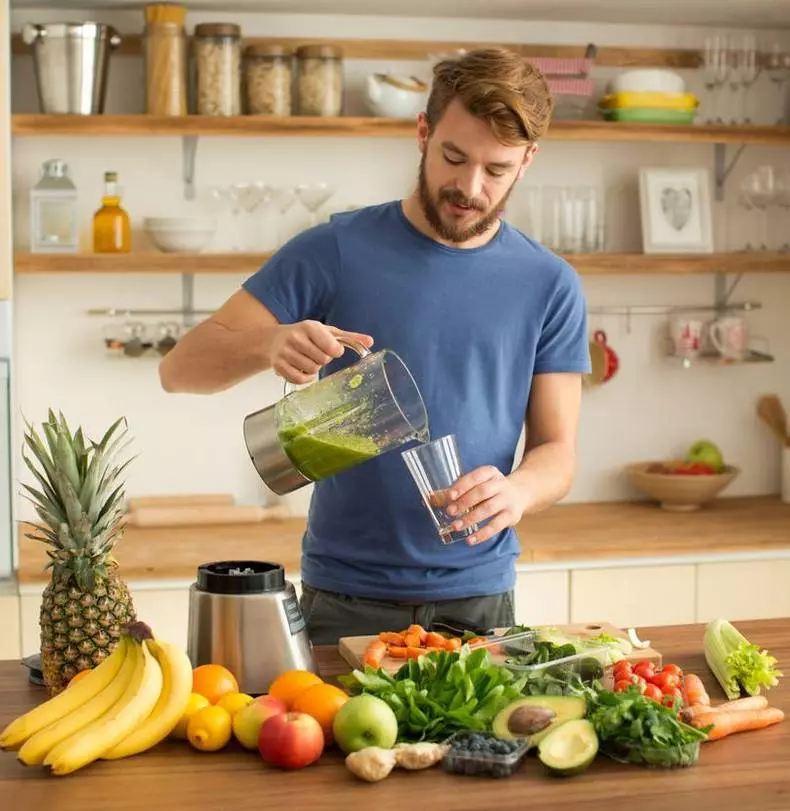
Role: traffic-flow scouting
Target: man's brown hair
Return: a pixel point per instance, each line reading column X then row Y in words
column 497, row 85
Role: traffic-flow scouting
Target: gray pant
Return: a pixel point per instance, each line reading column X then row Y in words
column 329, row 615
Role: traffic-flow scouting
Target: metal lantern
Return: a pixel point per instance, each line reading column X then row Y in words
column 53, row 211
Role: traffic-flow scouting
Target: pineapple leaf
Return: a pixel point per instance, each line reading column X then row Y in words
column 110, row 431
column 40, row 451
column 45, row 484
column 111, row 502
column 43, row 539
column 45, row 503
column 67, row 460
column 71, row 501
column 64, row 537
column 81, row 452
column 51, row 435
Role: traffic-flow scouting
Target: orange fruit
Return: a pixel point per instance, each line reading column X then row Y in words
column 213, row 682
column 81, row 675
column 289, row 684
column 322, row 701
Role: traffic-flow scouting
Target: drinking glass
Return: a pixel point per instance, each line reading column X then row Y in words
column 435, row 467
column 313, row 196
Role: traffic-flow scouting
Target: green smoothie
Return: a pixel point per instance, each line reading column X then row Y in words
column 319, row 456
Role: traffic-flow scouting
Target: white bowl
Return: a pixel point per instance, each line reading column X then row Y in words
column 648, row 79
column 180, row 234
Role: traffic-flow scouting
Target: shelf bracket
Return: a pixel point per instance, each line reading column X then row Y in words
column 722, row 293
column 188, row 298
column 189, row 149
column 721, row 169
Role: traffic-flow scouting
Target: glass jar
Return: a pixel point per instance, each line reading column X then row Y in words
column 319, row 86
column 54, row 225
column 267, row 74
column 218, row 68
column 165, row 59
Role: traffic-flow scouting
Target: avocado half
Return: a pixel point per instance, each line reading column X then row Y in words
column 569, row 748
column 535, row 717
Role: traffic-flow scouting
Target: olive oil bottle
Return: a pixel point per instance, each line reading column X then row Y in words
column 112, row 232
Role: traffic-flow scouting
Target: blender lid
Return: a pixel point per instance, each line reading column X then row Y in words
column 240, row 577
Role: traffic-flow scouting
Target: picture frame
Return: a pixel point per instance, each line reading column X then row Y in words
column 675, row 207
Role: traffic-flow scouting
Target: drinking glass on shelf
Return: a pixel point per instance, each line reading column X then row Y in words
column 759, row 188
column 716, row 71
column 312, row 196
column 283, row 198
column 743, row 74
column 782, row 201
column 228, row 197
column 251, row 196
column 777, row 66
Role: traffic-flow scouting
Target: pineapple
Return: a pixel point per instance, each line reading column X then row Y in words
column 80, row 504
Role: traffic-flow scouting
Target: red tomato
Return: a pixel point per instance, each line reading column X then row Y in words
column 669, row 697
column 666, row 681
column 645, row 669
column 653, row 693
column 621, row 685
column 672, row 669
column 622, row 670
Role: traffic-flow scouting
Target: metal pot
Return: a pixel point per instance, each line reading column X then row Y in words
column 71, row 64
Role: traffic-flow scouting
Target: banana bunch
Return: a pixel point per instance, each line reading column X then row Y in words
column 126, row 705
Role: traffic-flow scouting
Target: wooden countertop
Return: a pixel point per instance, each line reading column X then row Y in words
column 565, row 532
column 747, row 771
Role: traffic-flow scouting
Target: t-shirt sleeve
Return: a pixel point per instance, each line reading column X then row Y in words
column 563, row 345
column 299, row 282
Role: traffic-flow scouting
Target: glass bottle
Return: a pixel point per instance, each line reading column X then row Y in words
column 53, row 211
column 112, row 231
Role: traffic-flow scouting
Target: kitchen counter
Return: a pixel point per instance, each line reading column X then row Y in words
column 566, row 534
column 746, row 771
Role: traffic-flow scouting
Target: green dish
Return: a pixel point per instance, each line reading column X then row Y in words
column 645, row 115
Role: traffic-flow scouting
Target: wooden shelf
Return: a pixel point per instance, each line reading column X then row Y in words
column 595, row 264
column 419, row 50
column 367, row 127
column 34, row 124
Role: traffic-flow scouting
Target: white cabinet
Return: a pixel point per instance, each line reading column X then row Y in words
column 743, row 590
column 10, row 645
column 634, row 595
column 541, row 598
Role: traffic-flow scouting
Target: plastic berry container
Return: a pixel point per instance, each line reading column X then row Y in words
column 483, row 754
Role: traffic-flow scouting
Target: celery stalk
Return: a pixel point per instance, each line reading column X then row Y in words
column 737, row 664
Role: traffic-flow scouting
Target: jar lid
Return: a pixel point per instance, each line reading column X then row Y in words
column 267, row 49
column 217, row 30
column 321, row 51
column 240, row 577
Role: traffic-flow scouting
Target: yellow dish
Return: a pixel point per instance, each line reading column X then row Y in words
column 651, row 99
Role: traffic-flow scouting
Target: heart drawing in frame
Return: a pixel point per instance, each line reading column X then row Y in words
column 676, row 204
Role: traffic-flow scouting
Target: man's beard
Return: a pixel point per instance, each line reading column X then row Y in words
column 451, row 233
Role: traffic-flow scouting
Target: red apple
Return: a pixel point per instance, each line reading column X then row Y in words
column 291, row 740
column 247, row 722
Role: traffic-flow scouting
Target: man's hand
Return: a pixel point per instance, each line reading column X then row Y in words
column 486, row 493
column 299, row 351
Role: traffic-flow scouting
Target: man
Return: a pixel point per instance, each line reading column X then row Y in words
column 491, row 325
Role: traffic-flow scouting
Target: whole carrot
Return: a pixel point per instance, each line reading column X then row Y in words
column 695, row 690
column 741, row 704
column 728, row 723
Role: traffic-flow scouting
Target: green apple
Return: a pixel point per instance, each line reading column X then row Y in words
column 365, row 720
column 706, row 452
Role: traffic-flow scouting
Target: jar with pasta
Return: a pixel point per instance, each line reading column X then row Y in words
column 218, row 68
column 165, row 59
column 319, row 84
column 267, row 75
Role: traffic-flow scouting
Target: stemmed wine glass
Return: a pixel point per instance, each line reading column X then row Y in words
column 777, row 66
column 252, row 195
column 283, row 198
column 758, row 190
column 716, row 69
column 230, row 196
column 313, row 196
column 783, row 203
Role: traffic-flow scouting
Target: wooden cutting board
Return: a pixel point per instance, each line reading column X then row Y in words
column 352, row 648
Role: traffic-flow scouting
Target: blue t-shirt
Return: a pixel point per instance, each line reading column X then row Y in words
column 473, row 326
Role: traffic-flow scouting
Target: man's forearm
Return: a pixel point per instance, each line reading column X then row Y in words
column 545, row 475
column 212, row 358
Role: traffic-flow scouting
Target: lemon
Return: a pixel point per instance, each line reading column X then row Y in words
column 196, row 702
column 233, row 702
column 210, row 729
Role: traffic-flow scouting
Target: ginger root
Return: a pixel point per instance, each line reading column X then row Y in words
column 372, row 763
column 419, row 755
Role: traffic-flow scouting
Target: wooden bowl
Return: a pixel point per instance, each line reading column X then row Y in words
column 677, row 492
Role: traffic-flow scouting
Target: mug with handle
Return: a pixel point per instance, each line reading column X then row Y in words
column 730, row 336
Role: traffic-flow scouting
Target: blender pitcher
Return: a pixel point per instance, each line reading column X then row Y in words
column 346, row 418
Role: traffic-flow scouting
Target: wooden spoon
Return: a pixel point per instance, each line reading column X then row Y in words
column 772, row 413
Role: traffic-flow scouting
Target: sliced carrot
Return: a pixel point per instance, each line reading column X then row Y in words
column 419, row 631
column 454, row 643
column 415, row 653
column 434, row 640
column 429, row 648
column 728, row 723
column 695, row 689
column 397, row 651
column 375, row 653
column 391, row 637
column 412, row 640
column 476, row 640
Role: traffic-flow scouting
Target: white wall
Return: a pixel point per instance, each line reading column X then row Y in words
column 192, row 444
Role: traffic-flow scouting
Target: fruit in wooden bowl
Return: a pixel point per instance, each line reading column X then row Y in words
column 680, row 486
